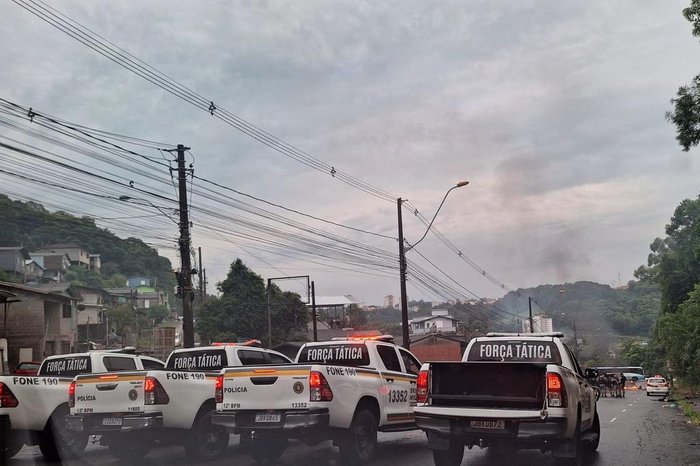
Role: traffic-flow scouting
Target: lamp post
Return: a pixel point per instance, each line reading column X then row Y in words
column 402, row 261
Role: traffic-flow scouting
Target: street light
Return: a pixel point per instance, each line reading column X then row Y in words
column 402, row 261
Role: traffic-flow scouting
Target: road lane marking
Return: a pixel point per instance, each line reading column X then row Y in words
column 613, row 419
column 632, row 403
column 624, row 410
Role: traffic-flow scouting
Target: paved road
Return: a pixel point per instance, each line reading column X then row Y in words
column 636, row 430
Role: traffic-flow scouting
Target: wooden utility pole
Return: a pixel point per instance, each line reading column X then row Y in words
column 185, row 276
column 402, row 279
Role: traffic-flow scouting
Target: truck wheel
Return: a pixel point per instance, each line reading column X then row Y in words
column 593, row 446
column 577, row 448
column 206, row 441
column 360, row 441
column 450, row 457
column 10, row 445
column 129, row 447
column 56, row 442
column 265, row 447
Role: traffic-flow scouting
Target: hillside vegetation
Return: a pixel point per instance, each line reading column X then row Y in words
column 30, row 225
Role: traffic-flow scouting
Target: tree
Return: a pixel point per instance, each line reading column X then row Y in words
column 680, row 334
column 357, row 318
column 157, row 314
column 674, row 262
column 686, row 106
column 241, row 310
column 122, row 317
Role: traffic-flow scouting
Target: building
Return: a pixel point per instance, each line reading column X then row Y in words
column 438, row 347
column 77, row 254
column 438, row 322
column 37, row 322
column 540, row 323
column 389, row 300
column 55, row 266
column 13, row 260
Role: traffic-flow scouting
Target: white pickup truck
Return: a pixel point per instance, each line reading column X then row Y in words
column 511, row 391
column 33, row 408
column 135, row 411
column 339, row 390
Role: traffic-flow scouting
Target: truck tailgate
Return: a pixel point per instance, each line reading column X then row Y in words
column 506, row 385
column 121, row 392
column 266, row 388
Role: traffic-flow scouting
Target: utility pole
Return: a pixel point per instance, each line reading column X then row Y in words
column 204, row 282
column 529, row 304
column 402, row 274
column 185, row 277
column 201, row 296
column 313, row 310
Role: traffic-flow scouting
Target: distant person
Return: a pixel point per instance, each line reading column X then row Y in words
column 623, row 381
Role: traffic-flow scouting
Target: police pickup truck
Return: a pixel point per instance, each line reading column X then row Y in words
column 338, row 390
column 135, row 411
column 510, row 391
column 33, row 408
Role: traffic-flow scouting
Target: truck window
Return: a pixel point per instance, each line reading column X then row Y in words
column 389, row 357
column 149, row 364
column 198, row 360
column 574, row 361
column 252, row 358
column 411, row 364
column 342, row 354
column 115, row 363
column 278, row 359
column 515, row 351
column 66, row 367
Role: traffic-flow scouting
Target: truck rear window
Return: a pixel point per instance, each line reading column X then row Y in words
column 515, row 351
column 198, row 360
column 66, row 367
column 340, row 355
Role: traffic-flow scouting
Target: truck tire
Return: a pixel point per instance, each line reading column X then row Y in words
column 450, row 457
column 266, row 446
column 360, row 441
column 593, row 446
column 206, row 441
column 56, row 442
column 10, row 445
column 576, row 446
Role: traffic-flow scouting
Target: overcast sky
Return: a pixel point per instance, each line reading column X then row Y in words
column 554, row 111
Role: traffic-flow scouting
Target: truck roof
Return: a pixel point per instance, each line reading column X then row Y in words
column 520, row 335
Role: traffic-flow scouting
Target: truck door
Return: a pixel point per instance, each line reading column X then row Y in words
column 586, row 394
column 396, row 386
column 411, row 367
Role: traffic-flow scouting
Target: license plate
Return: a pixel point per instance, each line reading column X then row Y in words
column 268, row 417
column 111, row 421
column 490, row 424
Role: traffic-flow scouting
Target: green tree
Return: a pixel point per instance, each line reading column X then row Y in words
column 122, row 317
column 686, row 105
column 674, row 262
column 241, row 310
column 357, row 318
column 680, row 334
column 157, row 314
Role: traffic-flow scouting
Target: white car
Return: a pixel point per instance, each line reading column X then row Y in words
column 657, row 385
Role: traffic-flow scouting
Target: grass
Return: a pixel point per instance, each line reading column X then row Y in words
column 689, row 410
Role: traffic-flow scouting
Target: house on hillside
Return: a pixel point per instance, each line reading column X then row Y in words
column 438, row 322
column 77, row 254
column 36, row 322
column 55, row 266
column 13, row 260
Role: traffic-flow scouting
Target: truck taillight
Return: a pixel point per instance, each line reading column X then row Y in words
column 71, row 395
column 219, row 389
column 7, row 398
column 556, row 391
column 319, row 390
column 154, row 393
column 422, row 386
